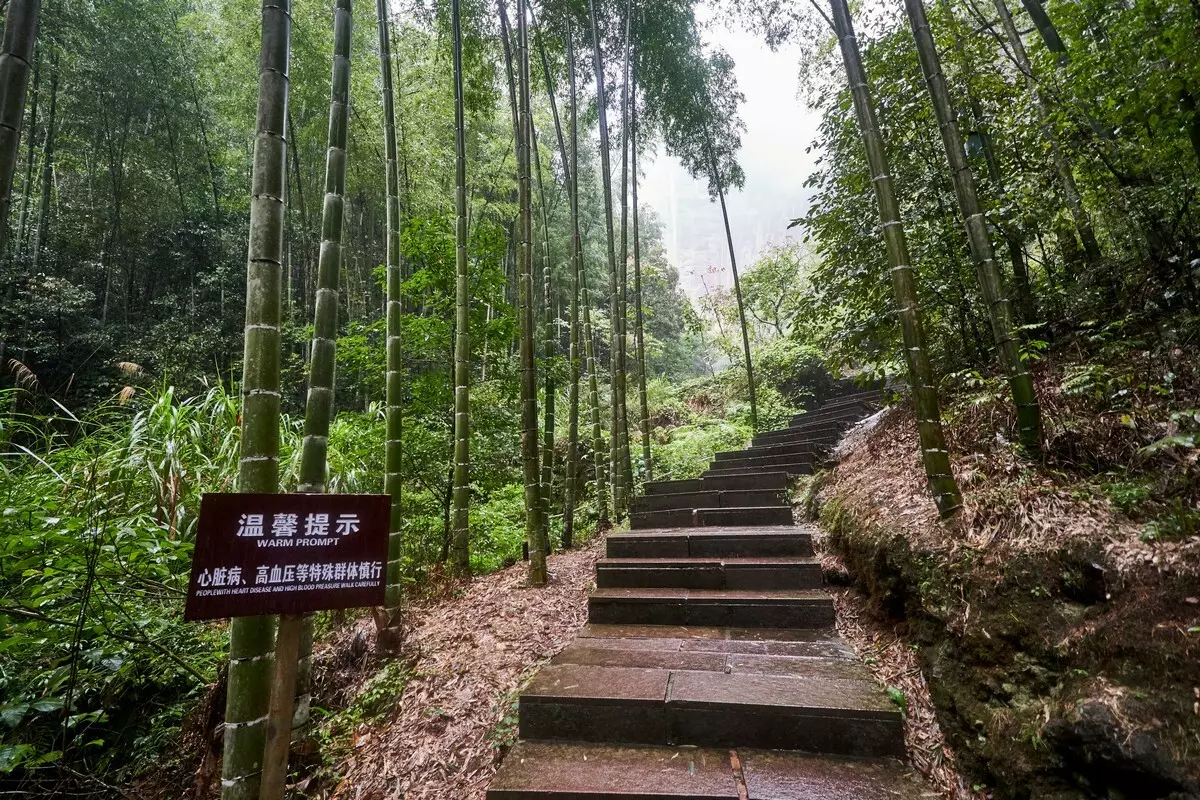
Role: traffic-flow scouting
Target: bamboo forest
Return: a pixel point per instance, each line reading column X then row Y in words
column 587, row 399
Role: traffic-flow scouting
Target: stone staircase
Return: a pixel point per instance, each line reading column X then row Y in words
column 709, row 668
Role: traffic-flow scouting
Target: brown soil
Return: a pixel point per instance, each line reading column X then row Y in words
column 1059, row 648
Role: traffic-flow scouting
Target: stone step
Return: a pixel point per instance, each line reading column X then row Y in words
column 733, row 482
column 759, row 542
column 535, row 770
column 838, row 416
column 780, row 608
column 708, row 708
column 810, row 644
column 794, row 465
column 709, row 499
column 801, row 450
column 541, row 770
column 821, row 436
column 779, row 572
column 599, row 652
column 709, row 517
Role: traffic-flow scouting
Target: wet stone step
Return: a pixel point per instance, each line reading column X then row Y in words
column 707, row 517
column 791, row 608
column 694, row 573
column 535, row 770
column 709, row 499
column 816, row 437
column 785, row 463
column 745, row 481
column 709, row 708
column 593, row 653
column 824, row 644
column 540, row 770
column 780, row 775
column 763, row 541
column 801, row 451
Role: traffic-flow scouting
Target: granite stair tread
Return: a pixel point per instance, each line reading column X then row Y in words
column 535, row 770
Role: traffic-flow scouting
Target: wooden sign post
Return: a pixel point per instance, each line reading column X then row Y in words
column 286, row 554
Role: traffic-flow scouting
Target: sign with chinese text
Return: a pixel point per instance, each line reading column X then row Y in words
column 288, row 554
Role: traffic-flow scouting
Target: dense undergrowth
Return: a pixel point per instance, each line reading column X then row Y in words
column 98, row 670
column 1057, row 620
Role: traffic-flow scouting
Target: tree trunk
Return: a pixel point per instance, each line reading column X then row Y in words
column 639, row 318
column 20, row 33
column 529, row 416
column 252, row 638
column 389, row 622
column 319, row 407
column 1029, row 419
column 461, row 536
column 922, row 384
column 616, row 367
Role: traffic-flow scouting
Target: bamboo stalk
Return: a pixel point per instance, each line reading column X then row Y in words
column 639, row 318
column 616, row 368
column 1029, row 418
column 460, row 544
column 319, row 405
column 16, row 53
column 390, row 622
column 529, row 416
column 921, row 381
column 251, row 638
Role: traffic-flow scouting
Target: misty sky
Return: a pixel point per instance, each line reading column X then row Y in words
column 778, row 129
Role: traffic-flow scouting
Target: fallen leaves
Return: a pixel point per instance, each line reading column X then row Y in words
column 472, row 654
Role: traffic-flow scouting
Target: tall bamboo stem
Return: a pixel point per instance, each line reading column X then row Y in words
column 251, row 638
column 921, row 380
column 16, row 53
column 460, row 546
column 390, row 621
column 1029, row 418
column 639, row 318
column 616, row 368
column 529, row 415
column 319, row 408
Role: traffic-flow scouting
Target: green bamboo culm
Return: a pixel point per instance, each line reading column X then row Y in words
column 549, row 351
column 525, row 302
column 921, row 381
column 461, row 534
column 622, row 320
column 1066, row 178
column 1029, row 417
column 251, row 639
column 718, row 181
column 318, row 409
column 30, row 151
column 620, row 497
column 639, row 325
column 589, row 340
column 570, row 478
column 390, row 621
column 573, row 471
column 16, row 57
column 41, row 229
